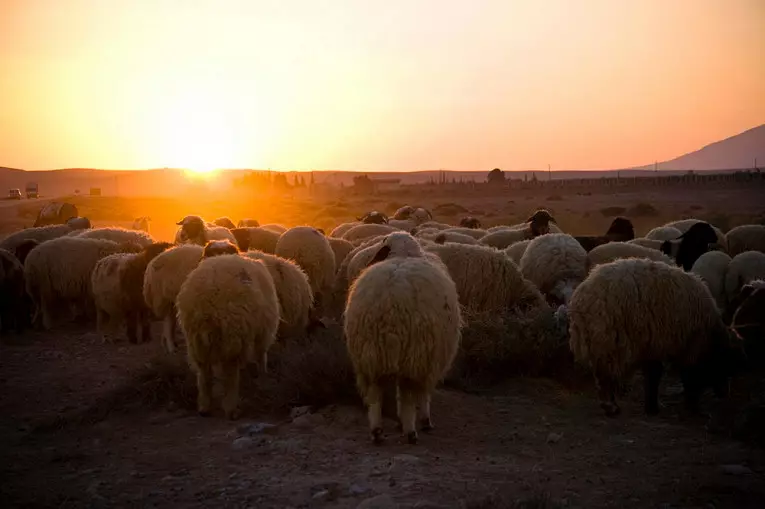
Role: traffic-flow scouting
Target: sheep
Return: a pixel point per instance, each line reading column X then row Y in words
column 39, row 234
column 312, row 252
column 341, row 282
column 748, row 321
column 476, row 233
column 365, row 231
column 634, row 313
column 616, row 250
column 447, row 236
column 685, row 224
column 194, row 230
column 78, row 223
column 515, row 250
column 229, row 313
column 116, row 234
column 742, row 269
column 538, row 224
column 556, row 263
column 694, row 242
column 373, row 217
column 421, row 215
column 470, row 222
column 394, row 245
column 246, row 222
column 14, row 309
column 340, row 229
column 162, row 281
column 22, row 249
column 275, row 228
column 434, row 224
column 620, row 230
column 257, row 238
column 649, row 243
column 141, row 223
column 486, row 279
column 340, row 248
column 747, row 237
column 293, row 291
column 224, row 222
column 663, row 233
column 406, row 225
column 404, row 212
column 402, row 321
column 117, row 282
column 712, row 268
column 59, row 270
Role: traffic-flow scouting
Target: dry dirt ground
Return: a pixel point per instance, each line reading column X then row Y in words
column 524, row 443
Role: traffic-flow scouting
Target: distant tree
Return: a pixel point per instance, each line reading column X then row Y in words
column 302, row 181
column 295, row 181
column 312, row 181
column 496, row 176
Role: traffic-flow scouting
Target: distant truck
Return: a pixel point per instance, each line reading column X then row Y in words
column 32, row 190
column 14, row 194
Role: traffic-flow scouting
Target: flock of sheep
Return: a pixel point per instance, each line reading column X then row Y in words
column 403, row 287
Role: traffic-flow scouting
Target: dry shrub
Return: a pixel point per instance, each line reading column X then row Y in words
column 448, row 209
column 643, row 210
column 613, row 211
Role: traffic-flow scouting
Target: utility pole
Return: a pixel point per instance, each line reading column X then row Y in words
column 549, row 173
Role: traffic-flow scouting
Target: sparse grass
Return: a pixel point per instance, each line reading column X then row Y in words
column 448, row 209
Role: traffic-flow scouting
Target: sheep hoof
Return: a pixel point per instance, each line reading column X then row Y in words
column 611, row 409
column 411, row 437
column 426, row 425
column 377, row 436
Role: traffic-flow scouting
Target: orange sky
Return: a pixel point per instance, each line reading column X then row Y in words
column 375, row 85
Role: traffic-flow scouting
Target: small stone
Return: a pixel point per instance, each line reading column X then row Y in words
column 406, row 458
column 357, row 489
column 736, row 470
column 299, row 410
column 242, row 443
column 554, row 438
column 321, row 495
column 255, row 428
column 379, row 502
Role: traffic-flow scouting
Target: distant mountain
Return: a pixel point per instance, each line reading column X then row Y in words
column 736, row 152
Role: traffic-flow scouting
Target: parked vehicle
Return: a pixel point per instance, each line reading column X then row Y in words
column 32, row 190
column 14, row 194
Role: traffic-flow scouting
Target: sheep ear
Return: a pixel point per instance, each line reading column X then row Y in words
column 552, row 220
column 429, row 214
column 530, row 219
column 381, row 255
column 180, row 223
column 440, row 238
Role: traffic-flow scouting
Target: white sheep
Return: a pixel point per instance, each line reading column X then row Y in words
column 743, row 268
column 142, row 223
column 311, row 250
column 40, row 234
column 515, row 251
column 611, row 251
column 447, row 236
column 556, row 263
column 637, row 313
column 476, row 233
column 277, row 228
column 402, row 320
column 663, row 233
column 162, row 281
column 747, row 237
column 116, row 234
column 194, row 230
column 229, row 313
column 362, row 232
column 712, row 268
column 341, row 248
column 340, row 229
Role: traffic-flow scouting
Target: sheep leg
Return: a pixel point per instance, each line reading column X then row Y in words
column 47, row 314
column 204, row 388
column 374, row 413
column 399, row 423
column 691, row 389
column 607, row 394
column 101, row 319
column 652, row 371
column 231, row 390
column 131, row 324
column 423, row 403
column 408, row 410
column 168, row 332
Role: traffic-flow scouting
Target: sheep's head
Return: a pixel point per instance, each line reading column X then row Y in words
column 374, row 217
column 242, row 236
column 540, row 222
column 23, row 249
column 224, row 222
column 192, row 227
column 621, row 230
column 422, row 215
column 155, row 249
column 247, row 222
column 78, row 223
column 142, row 223
column 404, row 213
column 219, row 247
column 470, row 222
column 397, row 245
column 694, row 243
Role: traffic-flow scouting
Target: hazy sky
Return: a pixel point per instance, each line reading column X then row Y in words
column 375, row 85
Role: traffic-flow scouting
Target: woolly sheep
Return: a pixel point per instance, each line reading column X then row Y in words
column 246, row 222
column 58, row 272
column 117, row 282
column 229, row 313
column 749, row 318
column 712, row 268
column 342, row 228
column 476, row 233
column 556, row 263
column 470, row 222
column 486, row 279
column 342, row 282
column 341, row 248
column 141, row 223
column 39, row 234
column 14, row 309
column 620, row 230
column 275, row 228
column 685, row 224
column 116, row 234
column 162, row 281
column 404, row 212
column 224, row 222
column 663, row 233
column 406, row 225
column 312, row 252
column 402, row 320
column 373, row 217
column 457, row 238
column 538, row 224
column 742, row 269
column 616, row 250
column 194, row 230
column 747, row 237
column 395, row 245
column 78, row 223
column 293, row 291
column 365, row 231
column 515, row 251
column 649, row 243
column 257, row 238
column 611, row 331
